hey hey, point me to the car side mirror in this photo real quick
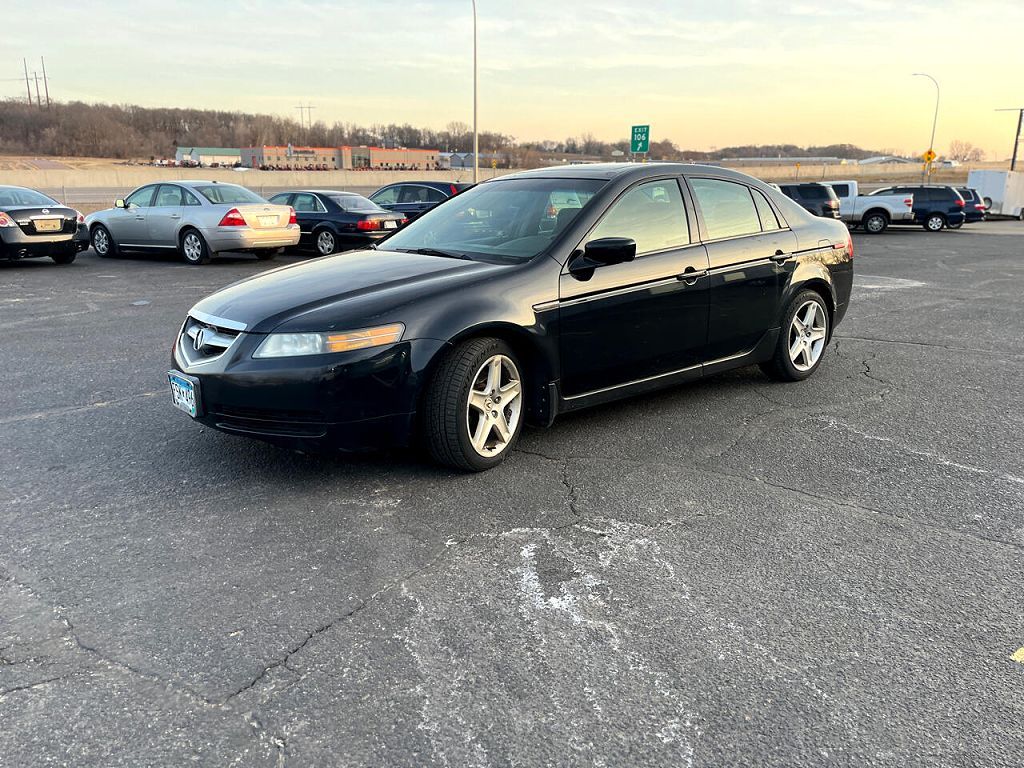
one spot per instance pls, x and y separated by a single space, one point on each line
119 203
602 252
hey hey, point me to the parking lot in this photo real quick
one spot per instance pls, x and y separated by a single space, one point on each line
733 572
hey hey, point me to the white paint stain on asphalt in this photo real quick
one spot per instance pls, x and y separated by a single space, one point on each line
881 283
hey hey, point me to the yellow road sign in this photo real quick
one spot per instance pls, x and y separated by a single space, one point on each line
929 156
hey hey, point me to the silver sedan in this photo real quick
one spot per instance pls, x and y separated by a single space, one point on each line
197 218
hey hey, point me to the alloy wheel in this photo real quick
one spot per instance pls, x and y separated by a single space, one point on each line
935 223
495 405
192 246
100 242
325 243
807 335
875 224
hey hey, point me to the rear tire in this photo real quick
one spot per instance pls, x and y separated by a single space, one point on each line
802 340
193 248
474 406
955 226
934 222
63 258
325 242
875 223
102 242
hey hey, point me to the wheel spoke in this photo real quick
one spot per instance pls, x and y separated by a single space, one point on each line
494 375
502 428
510 392
816 334
482 432
810 315
795 347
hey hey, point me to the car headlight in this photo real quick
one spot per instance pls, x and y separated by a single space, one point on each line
298 344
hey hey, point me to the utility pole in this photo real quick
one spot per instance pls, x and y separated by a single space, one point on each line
1016 137
935 121
39 101
46 83
300 108
27 86
476 134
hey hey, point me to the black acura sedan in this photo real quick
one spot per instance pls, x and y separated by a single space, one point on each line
333 221
481 315
34 224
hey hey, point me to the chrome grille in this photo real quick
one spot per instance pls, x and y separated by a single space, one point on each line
201 342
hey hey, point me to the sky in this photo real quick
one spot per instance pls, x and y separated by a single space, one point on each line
703 74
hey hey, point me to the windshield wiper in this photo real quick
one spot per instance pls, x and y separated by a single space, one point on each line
435 252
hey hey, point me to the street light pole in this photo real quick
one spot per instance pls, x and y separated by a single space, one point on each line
935 120
476 135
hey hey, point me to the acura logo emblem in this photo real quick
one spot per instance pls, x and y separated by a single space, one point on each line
46 210
200 339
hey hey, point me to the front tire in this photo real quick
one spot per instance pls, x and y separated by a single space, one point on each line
325 242
474 406
875 223
801 345
102 242
935 222
193 248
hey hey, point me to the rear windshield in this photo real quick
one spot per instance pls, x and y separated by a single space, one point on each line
814 191
355 203
231 194
15 196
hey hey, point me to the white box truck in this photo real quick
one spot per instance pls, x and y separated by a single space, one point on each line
1001 191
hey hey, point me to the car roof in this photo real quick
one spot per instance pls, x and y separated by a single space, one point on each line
334 192
630 171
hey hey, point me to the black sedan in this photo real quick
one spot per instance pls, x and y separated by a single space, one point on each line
414 198
333 221
33 224
481 316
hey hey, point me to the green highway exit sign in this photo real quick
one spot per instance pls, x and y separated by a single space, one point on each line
640 139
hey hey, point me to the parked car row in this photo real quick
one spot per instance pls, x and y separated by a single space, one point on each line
932 206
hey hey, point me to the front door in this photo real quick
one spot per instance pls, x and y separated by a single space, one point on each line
643 318
128 224
748 249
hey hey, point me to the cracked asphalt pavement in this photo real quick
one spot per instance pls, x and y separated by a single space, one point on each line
735 572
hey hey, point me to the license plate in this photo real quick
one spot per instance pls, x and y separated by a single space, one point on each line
390 225
49 225
184 392
268 221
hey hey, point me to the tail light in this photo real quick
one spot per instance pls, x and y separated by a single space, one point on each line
909 202
403 222
291 216
960 202
848 245
980 206
232 219
455 190
79 217
7 221
368 224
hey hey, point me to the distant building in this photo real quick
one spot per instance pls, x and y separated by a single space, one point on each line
885 160
290 157
753 161
207 155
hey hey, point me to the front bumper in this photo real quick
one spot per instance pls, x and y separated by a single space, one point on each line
249 239
16 244
352 401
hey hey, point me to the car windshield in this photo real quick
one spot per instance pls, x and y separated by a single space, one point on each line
355 203
507 220
14 196
228 193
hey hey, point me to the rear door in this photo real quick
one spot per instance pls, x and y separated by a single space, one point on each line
164 217
748 248
387 197
644 318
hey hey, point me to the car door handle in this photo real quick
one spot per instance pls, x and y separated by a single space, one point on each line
780 256
175 215
140 218
691 275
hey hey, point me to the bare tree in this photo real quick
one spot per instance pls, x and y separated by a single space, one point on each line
964 151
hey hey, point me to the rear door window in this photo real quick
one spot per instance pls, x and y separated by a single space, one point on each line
651 213
386 196
306 203
841 190
728 208
814 192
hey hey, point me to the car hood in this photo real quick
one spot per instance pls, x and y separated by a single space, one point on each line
329 293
